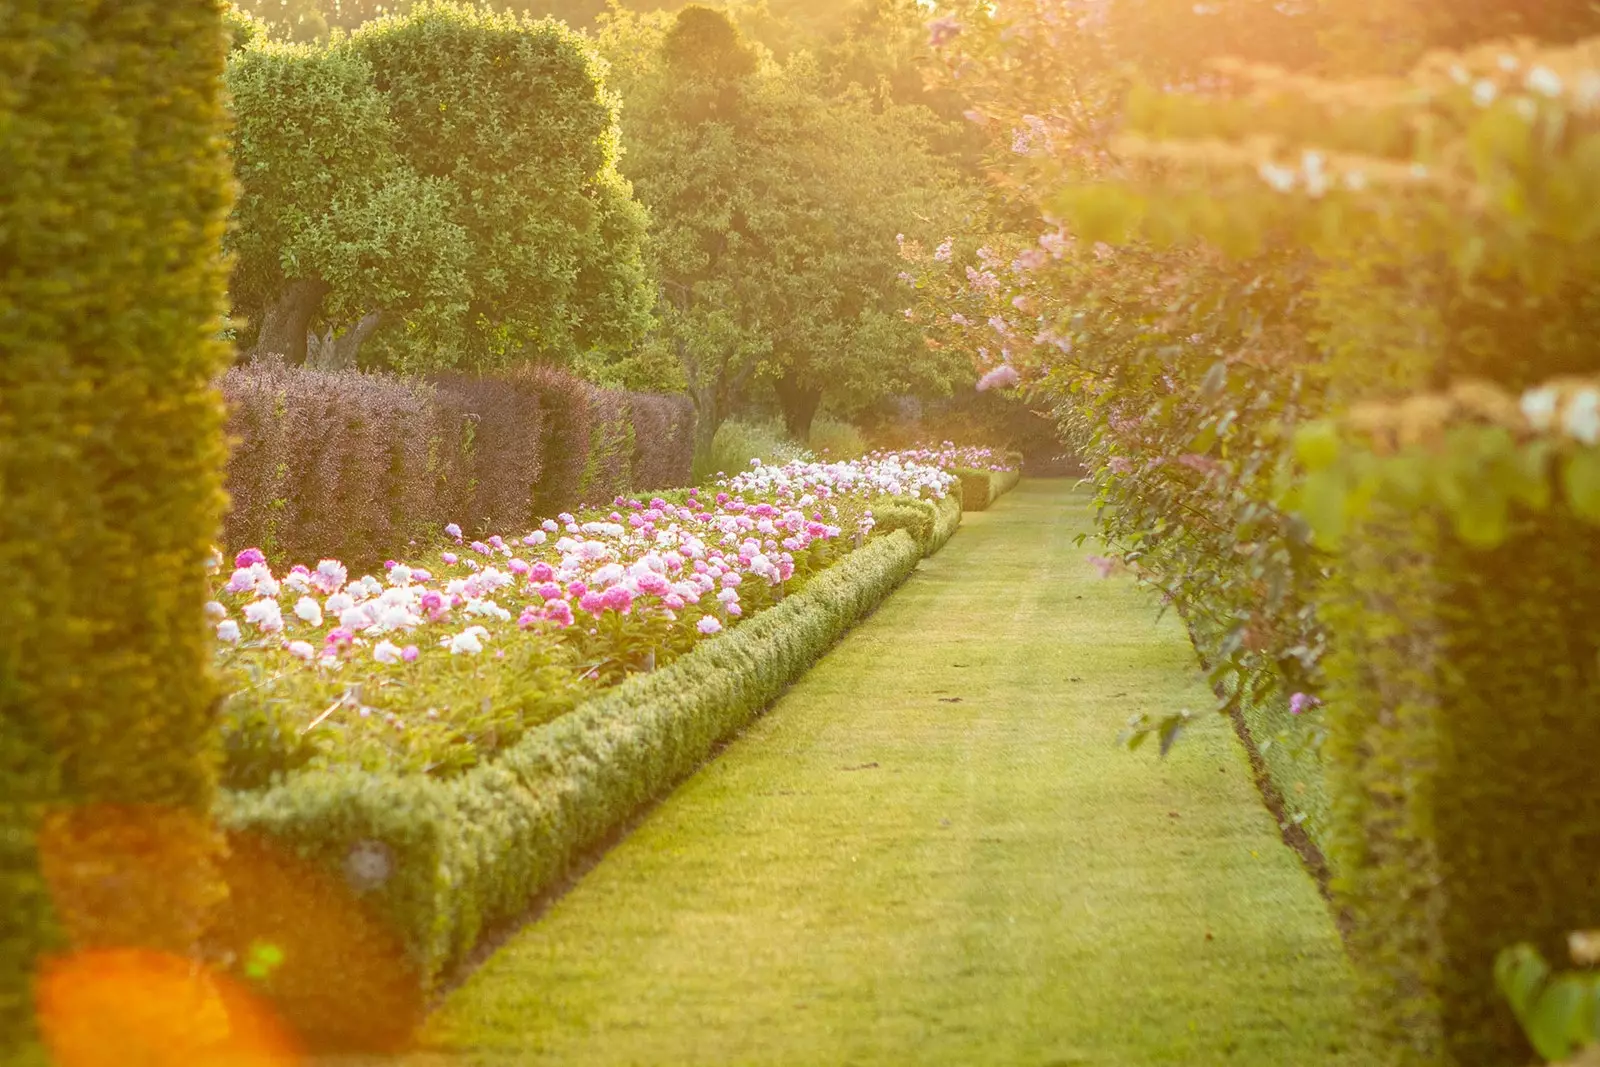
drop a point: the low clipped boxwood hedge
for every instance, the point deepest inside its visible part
(352, 894)
(931, 523)
(1462, 733)
(980, 488)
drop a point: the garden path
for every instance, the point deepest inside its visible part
(933, 851)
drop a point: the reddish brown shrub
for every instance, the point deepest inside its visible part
(355, 466)
(327, 464)
(501, 444)
(663, 441)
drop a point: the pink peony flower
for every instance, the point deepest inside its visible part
(410, 653)
(453, 530)
(541, 572)
(709, 625)
(449, 558)
(559, 612)
(576, 588)
(619, 598)
(592, 602)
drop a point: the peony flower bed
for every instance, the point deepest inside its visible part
(449, 657)
(952, 457)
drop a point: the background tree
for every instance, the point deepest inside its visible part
(776, 204)
(111, 455)
(445, 178)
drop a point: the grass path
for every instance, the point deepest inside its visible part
(932, 851)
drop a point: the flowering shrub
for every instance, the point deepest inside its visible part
(450, 657)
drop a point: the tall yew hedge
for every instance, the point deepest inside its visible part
(113, 197)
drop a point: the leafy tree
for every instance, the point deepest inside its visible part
(445, 178)
(776, 208)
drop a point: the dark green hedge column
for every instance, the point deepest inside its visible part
(1464, 728)
(113, 195)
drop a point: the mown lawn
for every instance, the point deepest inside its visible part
(932, 851)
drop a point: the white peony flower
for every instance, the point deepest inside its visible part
(1581, 420)
(266, 615)
(228, 630)
(306, 609)
(386, 652)
(302, 650)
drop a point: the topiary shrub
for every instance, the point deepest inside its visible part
(1461, 730)
(110, 453)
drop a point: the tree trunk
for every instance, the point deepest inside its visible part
(707, 420)
(331, 353)
(286, 322)
(799, 404)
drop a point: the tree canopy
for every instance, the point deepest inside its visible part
(447, 178)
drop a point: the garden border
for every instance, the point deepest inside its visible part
(435, 866)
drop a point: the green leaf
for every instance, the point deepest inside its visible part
(1580, 480)
(1560, 1022)
(1483, 516)
(1520, 973)
(1323, 503)
(1316, 445)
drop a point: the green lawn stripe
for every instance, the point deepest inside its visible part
(1004, 886)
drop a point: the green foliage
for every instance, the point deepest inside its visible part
(438, 865)
(739, 442)
(1560, 1013)
(980, 488)
(786, 280)
(110, 452)
(446, 178)
(1459, 716)
(833, 439)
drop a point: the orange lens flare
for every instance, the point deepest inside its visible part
(141, 1008)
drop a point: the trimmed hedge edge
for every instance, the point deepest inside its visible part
(981, 488)
(418, 871)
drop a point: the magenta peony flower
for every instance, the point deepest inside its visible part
(551, 591)
(541, 572)
(619, 598)
(576, 588)
(559, 612)
(249, 558)
(592, 602)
